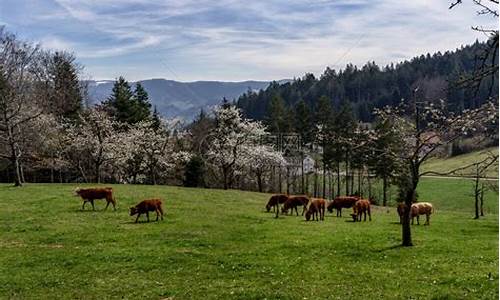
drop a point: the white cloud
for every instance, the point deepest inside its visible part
(229, 39)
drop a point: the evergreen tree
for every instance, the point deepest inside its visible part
(142, 104)
(127, 106)
(66, 97)
(277, 119)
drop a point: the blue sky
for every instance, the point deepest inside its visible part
(239, 40)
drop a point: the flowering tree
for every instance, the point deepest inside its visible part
(153, 151)
(423, 128)
(228, 140)
(96, 138)
(259, 159)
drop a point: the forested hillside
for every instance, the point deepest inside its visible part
(372, 86)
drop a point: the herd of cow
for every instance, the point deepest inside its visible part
(315, 207)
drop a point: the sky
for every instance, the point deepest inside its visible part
(230, 40)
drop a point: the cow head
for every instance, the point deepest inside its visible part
(268, 207)
(308, 215)
(133, 210)
(354, 217)
(77, 191)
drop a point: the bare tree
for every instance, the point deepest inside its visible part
(21, 90)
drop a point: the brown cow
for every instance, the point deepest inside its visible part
(421, 208)
(293, 201)
(342, 202)
(146, 206)
(274, 201)
(91, 194)
(361, 206)
(317, 206)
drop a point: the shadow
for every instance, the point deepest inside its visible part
(397, 223)
(389, 248)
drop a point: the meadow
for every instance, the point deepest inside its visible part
(216, 244)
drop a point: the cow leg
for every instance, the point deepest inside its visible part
(370, 215)
(137, 219)
(418, 220)
(107, 204)
(296, 211)
(427, 220)
(365, 215)
(147, 215)
(412, 218)
(92, 202)
(157, 214)
(83, 206)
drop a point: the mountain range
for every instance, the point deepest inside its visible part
(181, 99)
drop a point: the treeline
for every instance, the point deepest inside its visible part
(372, 86)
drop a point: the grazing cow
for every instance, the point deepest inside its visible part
(317, 206)
(342, 202)
(401, 210)
(421, 208)
(274, 201)
(361, 206)
(146, 206)
(293, 201)
(91, 194)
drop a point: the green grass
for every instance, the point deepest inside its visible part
(445, 165)
(218, 244)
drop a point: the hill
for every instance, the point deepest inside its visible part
(448, 164)
(181, 99)
(372, 86)
(216, 244)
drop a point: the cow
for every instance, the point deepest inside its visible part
(421, 208)
(293, 201)
(274, 201)
(362, 206)
(91, 194)
(145, 206)
(317, 206)
(341, 202)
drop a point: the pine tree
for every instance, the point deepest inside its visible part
(66, 97)
(142, 104)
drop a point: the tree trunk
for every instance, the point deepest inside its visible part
(279, 180)
(288, 180)
(259, 181)
(98, 173)
(302, 175)
(481, 198)
(324, 180)
(307, 184)
(347, 174)
(476, 194)
(338, 178)
(406, 228)
(384, 188)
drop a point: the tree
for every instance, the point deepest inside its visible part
(194, 174)
(65, 99)
(96, 139)
(382, 160)
(127, 106)
(325, 134)
(424, 127)
(142, 105)
(259, 159)
(22, 87)
(226, 141)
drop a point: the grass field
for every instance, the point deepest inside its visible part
(218, 244)
(445, 165)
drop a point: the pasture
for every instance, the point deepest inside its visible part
(216, 244)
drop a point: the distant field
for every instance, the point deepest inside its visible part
(448, 164)
(218, 244)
